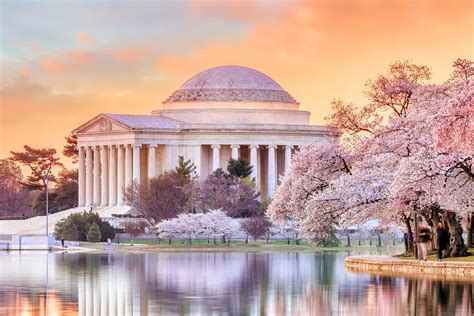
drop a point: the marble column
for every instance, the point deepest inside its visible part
(136, 163)
(96, 176)
(120, 175)
(197, 159)
(128, 165)
(81, 199)
(151, 161)
(104, 176)
(112, 176)
(216, 158)
(271, 170)
(89, 184)
(234, 151)
(254, 164)
(288, 149)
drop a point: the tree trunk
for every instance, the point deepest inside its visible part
(169, 241)
(469, 229)
(435, 215)
(456, 248)
(370, 238)
(348, 240)
(360, 241)
(415, 248)
(379, 240)
(288, 241)
(406, 219)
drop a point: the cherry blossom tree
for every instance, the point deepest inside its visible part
(396, 160)
(192, 226)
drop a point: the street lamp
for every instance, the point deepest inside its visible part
(46, 182)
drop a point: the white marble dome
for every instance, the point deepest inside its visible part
(230, 84)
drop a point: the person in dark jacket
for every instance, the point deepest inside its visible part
(441, 239)
(423, 241)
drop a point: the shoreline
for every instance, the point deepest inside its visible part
(157, 248)
(389, 265)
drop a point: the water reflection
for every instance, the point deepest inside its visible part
(215, 283)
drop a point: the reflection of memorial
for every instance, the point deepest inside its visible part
(215, 283)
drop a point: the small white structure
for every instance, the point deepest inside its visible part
(222, 112)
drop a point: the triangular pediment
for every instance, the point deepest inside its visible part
(101, 124)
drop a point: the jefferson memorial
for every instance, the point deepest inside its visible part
(220, 113)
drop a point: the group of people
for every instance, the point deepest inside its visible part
(424, 237)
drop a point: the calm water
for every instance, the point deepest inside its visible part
(215, 284)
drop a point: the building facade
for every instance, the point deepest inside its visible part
(220, 113)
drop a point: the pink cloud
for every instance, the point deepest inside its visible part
(24, 72)
(79, 57)
(132, 53)
(84, 38)
(53, 65)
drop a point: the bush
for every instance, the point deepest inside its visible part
(94, 234)
(77, 226)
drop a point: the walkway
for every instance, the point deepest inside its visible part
(396, 266)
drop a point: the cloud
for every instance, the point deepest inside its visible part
(317, 50)
(24, 72)
(53, 65)
(320, 50)
(133, 52)
(85, 38)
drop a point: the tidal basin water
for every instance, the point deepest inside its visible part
(37, 283)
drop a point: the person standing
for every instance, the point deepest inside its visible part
(423, 241)
(441, 239)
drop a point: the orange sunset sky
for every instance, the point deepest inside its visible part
(63, 62)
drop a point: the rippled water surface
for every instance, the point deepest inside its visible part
(37, 283)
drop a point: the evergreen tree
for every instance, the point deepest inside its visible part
(239, 168)
(219, 173)
(94, 234)
(70, 149)
(39, 161)
(186, 168)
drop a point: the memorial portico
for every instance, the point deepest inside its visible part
(221, 113)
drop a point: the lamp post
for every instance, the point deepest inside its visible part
(46, 182)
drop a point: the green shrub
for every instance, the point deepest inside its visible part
(94, 234)
(76, 227)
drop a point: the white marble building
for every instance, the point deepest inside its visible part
(222, 112)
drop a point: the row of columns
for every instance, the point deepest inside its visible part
(272, 162)
(104, 171)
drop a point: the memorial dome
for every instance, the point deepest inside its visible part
(231, 84)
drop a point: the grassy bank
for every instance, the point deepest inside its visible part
(204, 246)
